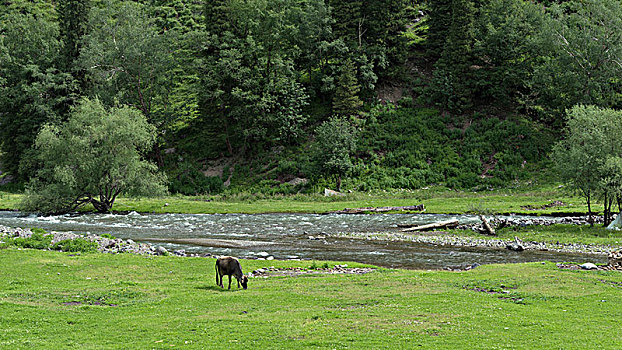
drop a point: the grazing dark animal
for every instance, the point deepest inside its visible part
(228, 265)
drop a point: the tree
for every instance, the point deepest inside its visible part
(439, 21)
(346, 101)
(251, 94)
(335, 141)
(129, 61)
(583, 41)
(92, 158)
(453, 85)
(587, 158)
(505, 50)
(73, 16)
(33, 91)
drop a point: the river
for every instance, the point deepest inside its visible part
(288, 236)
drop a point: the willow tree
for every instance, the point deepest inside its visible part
(92, 158)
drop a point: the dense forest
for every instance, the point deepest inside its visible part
(281, 96)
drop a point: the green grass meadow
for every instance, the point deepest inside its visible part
(436, 200)
(51, 300)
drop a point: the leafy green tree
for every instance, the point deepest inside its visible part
(251, 94)
(587, 157)
(32, 90)
(335, 141)
(583, 41)
(129, 61)
(92, 158)
(505, 51)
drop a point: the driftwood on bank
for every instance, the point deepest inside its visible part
(378, 209)
(432, 226)
(487, 228)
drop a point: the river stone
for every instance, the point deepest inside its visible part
(161, 250)
(514, 246)
(589, 266)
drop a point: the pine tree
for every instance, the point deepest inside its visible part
(346, 100)
(439, 22)
(216, 16)
(454, 79)
(73, 24)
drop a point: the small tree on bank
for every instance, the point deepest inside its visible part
(588, 158)
(335, 140)
(91, 159)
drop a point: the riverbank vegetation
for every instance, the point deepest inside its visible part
(102, 300)
(529, 200)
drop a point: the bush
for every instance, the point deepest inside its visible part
(38, 240)
(76, 245)
(189, 180)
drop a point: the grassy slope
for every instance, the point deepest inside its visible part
(435, 201)
(168, 301)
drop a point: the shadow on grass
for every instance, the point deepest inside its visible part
(218, 289)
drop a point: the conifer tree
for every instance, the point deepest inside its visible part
(439, 21)
(346, 101)
(73, 18)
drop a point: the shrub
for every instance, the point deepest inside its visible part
(76, 245)
(37, 240)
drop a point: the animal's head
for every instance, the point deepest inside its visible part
(244, 282)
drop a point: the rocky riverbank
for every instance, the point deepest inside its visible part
(447, 239)
(109, 245)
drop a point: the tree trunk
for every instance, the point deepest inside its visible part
(338, 183)
(442, 224)
(589, 212)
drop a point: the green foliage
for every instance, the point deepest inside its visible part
(452, 84)
(76, 245)
(32, 91)
(189, 180)
(108, 235)
(506, 50)
(73, 22)
(588, 158)
(412, 148)
(38, 240)
(581, 56)
(439, 21)
(129, 61)
(335, 141)
(346, 101)
(91, 159)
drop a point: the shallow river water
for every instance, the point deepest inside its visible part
(287, 236)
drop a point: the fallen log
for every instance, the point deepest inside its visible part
(487, 228)
(366, 210)
(432, 226)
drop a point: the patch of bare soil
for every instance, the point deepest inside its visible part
(502, 292)
(297, 271)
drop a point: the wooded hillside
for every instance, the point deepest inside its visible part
(254, 94)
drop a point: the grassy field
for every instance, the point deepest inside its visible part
(51, 300)
(435, 201)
